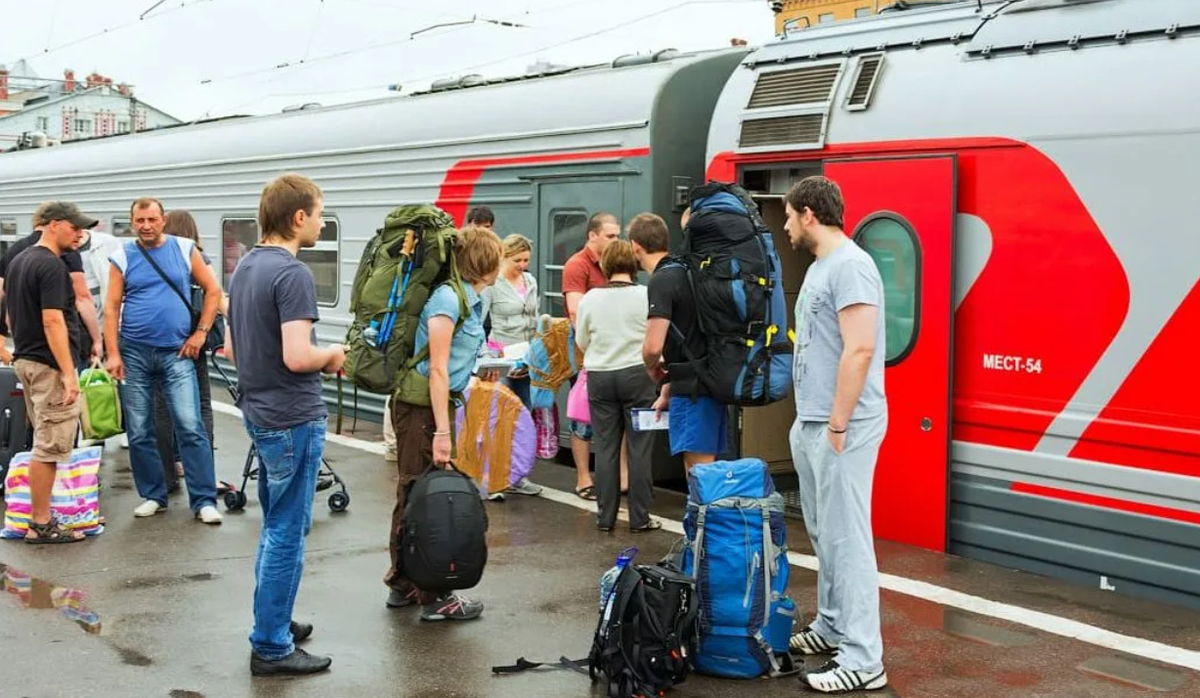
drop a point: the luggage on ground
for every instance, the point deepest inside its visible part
(74, 501)
(736, 553)
(496, 437)
(737, 281)
(100, 413)
(647, 632)
(443, 546)
(15, 433)
(410, 256)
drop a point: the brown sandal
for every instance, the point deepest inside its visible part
(49, 533)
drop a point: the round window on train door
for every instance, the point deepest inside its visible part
(893, 244)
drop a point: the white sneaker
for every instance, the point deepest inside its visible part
(148, 508)
(808, 642)
(833, 678)
(209, 515)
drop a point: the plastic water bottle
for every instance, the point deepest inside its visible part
(608, 580)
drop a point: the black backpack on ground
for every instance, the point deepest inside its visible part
(737, 283)
(646, 636)
(444, 543)
(647, 632)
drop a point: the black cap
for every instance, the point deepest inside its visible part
(65, 211)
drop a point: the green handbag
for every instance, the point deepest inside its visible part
(100, 413)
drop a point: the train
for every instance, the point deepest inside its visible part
(1020, 170)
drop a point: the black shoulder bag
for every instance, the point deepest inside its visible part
(216, 333)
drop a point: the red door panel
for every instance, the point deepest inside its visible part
(910, 492)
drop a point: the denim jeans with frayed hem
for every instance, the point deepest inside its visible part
(289, 460)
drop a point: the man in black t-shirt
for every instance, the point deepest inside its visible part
(42, 309)
(698, 422)
(85, 335)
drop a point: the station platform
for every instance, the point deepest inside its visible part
(168, 604)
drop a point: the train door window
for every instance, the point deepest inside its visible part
(893, 245)
(323, 259)
(122, 228)
(568, 233)
(238, 236)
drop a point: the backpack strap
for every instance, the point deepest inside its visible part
(455, 283)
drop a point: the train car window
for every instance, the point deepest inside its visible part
(122, 228)
(323, 259)
(238, 236)
(892, 244)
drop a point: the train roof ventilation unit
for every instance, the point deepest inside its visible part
(790, 108)
(805, 85)
(869, 68)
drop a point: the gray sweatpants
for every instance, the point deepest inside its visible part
(835, 491)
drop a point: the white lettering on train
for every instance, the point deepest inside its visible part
(1012, 364)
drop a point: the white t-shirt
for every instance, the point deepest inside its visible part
(610, 326)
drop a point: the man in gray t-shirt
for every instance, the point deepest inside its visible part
(841, 418)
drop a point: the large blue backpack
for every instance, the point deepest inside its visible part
(737, 553)
(737, 282)
(552, 359)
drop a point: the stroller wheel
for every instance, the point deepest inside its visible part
(339, 501)
(235, 500)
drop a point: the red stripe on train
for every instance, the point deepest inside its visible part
(459, 185)
(1114, 504)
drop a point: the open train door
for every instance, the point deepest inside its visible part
(902, 212)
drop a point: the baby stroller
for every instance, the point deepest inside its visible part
(235, 498)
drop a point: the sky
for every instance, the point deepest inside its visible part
(206, 58)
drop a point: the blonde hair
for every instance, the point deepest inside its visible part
(477, 253)
(516, 244)
(618, 259)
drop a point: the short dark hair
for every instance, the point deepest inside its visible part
(147, 202)
(649, 231)
(822, 196)
(599, 220)
(481, 215)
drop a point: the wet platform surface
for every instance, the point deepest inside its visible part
(162, 607)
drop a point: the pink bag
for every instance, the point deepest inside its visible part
(75, 500)
(545, 419)
(577, 400)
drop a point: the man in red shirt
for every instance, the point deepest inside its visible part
(580, 275)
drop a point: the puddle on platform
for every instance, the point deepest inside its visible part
(1128, 670)
(41, 594)
(972, 627)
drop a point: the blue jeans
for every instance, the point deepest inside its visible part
(289, 460)
(146, 368)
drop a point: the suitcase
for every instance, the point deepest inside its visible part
(14, 427)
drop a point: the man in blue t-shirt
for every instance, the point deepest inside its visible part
(151, 339)
(272, 339)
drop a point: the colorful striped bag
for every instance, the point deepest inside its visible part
(74, 502)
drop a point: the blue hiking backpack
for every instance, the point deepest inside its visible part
(736, 551)
(737, 283)
(552, 360)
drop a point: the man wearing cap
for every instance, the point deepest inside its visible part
(42, 312)
(86, 340)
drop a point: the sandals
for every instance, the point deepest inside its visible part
(654, 525)
(588, 493)
(52, 532)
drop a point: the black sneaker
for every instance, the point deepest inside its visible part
(452, 607)
(301, 631)
(402, 599)
(298, 663)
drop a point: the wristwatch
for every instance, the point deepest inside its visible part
(202, 328)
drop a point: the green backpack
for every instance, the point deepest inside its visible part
(410, 256)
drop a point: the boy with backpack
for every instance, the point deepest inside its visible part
(448, 339)
(698, 422)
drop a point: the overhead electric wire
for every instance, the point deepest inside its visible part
(74, 43)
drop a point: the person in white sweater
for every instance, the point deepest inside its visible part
(610, 326)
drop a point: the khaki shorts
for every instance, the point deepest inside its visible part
(54, 424)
